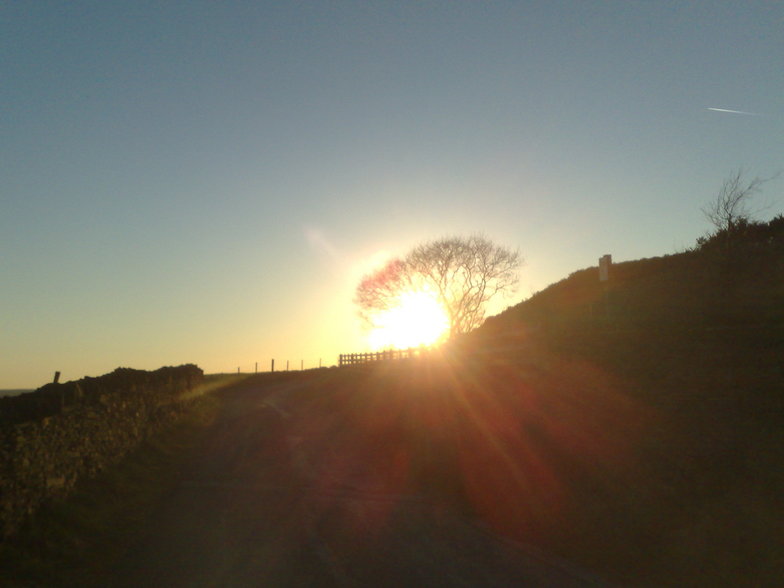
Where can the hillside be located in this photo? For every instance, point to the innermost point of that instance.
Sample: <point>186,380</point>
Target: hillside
<point>696,341</point>
<point>700,288</point>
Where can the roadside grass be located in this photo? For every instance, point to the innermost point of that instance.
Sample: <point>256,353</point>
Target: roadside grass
<point>75,541</point>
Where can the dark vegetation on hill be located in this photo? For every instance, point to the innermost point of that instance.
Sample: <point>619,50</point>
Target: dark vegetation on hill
<point>697,341</point>
<point>725,281</point>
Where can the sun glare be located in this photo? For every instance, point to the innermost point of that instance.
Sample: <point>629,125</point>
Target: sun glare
<point>417,320</point>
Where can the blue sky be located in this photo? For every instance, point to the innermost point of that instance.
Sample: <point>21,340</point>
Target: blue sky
<point>206,182</point>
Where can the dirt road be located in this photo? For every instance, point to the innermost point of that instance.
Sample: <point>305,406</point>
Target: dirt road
<point>261,506</point>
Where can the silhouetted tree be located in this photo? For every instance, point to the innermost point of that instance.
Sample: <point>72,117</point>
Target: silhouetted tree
<point>729,213</point>
<point>463,273</point>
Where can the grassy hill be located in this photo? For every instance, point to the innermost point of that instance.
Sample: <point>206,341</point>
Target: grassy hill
<point>688,290</point>
<point>695,343</point>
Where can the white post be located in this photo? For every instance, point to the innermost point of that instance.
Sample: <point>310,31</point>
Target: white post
<point>605,261</point>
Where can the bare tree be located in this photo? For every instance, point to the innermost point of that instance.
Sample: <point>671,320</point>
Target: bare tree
<point>462,273</point>
<point>731,207</point>
<point>379,290</point>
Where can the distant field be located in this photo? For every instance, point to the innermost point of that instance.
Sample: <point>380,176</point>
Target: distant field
<point>14,392</point>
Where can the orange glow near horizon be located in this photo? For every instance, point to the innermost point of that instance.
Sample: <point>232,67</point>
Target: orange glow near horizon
<point>417,320</point>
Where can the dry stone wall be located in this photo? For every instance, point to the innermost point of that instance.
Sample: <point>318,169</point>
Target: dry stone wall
<point>61,433</point>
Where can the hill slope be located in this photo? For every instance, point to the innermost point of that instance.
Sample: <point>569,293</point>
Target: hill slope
<point>697,341</point>
<point>686,290</point>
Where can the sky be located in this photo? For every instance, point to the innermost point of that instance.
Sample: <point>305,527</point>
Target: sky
<point>203,182</point>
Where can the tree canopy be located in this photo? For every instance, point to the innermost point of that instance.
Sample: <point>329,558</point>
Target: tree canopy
<point>462,273</point>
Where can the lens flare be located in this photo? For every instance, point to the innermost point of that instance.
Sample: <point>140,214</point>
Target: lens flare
<point>418,319</point>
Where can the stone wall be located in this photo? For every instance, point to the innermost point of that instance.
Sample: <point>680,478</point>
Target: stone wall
<point>61,433</point>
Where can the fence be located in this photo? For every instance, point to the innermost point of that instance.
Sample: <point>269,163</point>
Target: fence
<point>343,359</point>
<point>387,355</point>
<point>276,365</point>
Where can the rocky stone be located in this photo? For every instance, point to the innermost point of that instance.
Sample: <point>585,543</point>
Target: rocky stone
<point>45,450</point>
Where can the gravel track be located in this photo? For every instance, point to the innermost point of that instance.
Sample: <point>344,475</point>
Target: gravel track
<point>257,507</point>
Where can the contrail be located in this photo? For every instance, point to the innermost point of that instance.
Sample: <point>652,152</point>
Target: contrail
<point>734,111</point>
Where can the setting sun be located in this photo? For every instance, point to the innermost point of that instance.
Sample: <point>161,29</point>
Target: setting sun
<point>417,320</point>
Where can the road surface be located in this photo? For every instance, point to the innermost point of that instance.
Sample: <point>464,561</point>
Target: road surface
<point>262,506</point>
